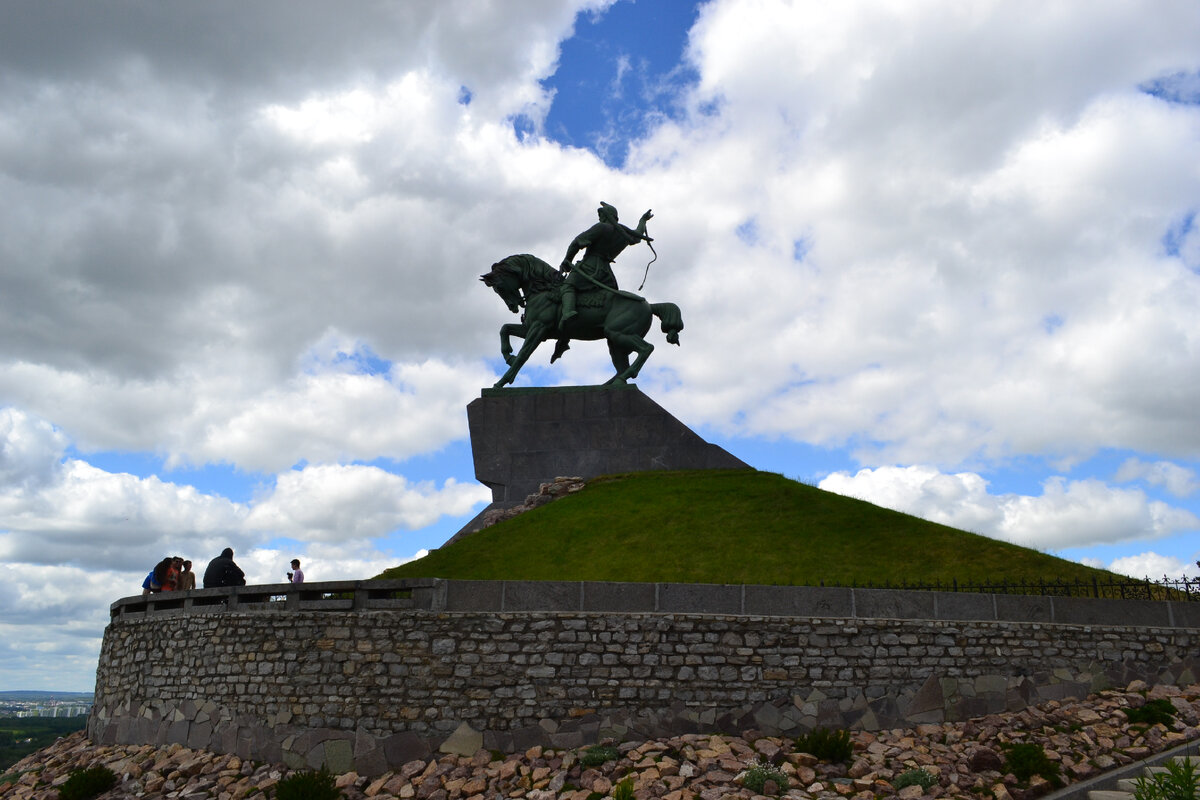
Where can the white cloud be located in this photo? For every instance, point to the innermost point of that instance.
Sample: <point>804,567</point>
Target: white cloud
<point>321,561</point>
<point>1154,566</point>
<point>30,450</point>
<point>78,515</point>
<point>982,210</point>
<point>333,415</point>
<point>982,193</point>
<point>1179,481</point>
<point>257,421</point>
<point>1066,514</point>
<point>346,502</point>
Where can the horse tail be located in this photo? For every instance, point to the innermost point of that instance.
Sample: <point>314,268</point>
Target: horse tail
<point>672,321</point>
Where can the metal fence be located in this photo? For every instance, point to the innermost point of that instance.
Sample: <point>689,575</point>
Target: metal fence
<point>1166,588</point>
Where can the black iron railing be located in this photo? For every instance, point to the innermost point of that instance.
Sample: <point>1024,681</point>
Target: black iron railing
<point>1165,588</point>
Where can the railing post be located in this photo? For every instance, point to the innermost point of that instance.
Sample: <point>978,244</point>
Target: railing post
<point>438,595</point>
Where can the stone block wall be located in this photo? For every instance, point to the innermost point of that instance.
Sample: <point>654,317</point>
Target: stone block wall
<point>369,690</point>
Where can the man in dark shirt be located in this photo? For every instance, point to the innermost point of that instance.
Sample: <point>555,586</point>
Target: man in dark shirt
<point>223,572</point>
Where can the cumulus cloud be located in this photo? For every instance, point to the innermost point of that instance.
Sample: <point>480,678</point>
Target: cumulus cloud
<point>179,237</point>
<point>1066,514</point>
<point>330,413</point>
<point>980,200</point>
<point>76,514</point>
<point>982,271</point>
<point>57,510</point>
<point>1154,566</point>
<point>321,561</point>
<point>1179,481</point>
<point>339,502</point>
<point>30,450</point>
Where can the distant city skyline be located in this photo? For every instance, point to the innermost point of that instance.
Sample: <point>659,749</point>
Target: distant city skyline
<point>30,703</point>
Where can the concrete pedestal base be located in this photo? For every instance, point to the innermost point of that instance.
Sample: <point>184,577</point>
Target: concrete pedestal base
<point>522,438</point>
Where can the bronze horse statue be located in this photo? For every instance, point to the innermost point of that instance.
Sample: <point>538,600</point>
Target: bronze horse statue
<point>621,318</point>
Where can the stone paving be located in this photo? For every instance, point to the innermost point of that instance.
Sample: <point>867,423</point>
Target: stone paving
<point>1083,738</point>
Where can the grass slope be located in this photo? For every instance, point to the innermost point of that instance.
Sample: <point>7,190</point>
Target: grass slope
<point>730,526</point>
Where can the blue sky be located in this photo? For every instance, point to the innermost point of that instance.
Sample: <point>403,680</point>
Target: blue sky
<point>942,258</point>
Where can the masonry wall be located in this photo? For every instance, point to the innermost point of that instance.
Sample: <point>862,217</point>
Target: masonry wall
<point>371,689</point>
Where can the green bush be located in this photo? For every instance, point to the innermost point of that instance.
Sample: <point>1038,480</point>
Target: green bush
<point>756,776</point>
<point>1180,782</point>
<point>595,756</point>
<point>1026,759</point>
<point>914,777</point>
<point>85,783</point>
<point>833,747</point>
<point>623,790</point>
<point>308,785</point>
<point>1152,713</point>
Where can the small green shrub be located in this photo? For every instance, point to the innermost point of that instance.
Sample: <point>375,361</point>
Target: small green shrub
<point>1181,781</point>
<point>1026,759</point>
<point>308,785</point>
<point>623,790</point>
<point>757,774</point>
<point>1152,713</point>
<point>833,747</point>
<point>85,783</point>
<point>914,777</point>
<point>595,756</point>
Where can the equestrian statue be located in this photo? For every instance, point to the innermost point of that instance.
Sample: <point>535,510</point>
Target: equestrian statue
<point>580,300</point>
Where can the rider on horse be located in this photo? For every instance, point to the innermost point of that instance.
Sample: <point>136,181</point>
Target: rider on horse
<point>604,241</point>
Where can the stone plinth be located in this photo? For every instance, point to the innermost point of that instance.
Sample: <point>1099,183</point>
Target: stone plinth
<point>521,438</point>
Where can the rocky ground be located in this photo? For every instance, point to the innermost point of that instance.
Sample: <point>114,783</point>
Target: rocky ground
<point>966,759</point>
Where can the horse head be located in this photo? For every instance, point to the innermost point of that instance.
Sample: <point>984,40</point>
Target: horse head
<point>505,281</point>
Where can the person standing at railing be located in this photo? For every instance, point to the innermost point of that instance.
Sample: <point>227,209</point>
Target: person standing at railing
<point>157,578</point>
<point>172,582</point>
<point>297,574</point>
<point>222,571</point>
<point>187,578</point>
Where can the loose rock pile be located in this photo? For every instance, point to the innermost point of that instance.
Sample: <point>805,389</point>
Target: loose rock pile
<point>547,492</point>
<point>966,759</point>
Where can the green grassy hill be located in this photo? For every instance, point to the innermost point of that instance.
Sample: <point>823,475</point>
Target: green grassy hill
<point>730,526</point>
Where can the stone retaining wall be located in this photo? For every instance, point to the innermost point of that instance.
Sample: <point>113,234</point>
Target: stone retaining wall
<point>371,689</point>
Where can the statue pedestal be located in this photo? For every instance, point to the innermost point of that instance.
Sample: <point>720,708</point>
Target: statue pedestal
<point>522,438</point>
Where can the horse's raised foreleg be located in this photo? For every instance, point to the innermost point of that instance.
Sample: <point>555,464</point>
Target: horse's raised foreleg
<point>511,329</point>
<point>535,333</point>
